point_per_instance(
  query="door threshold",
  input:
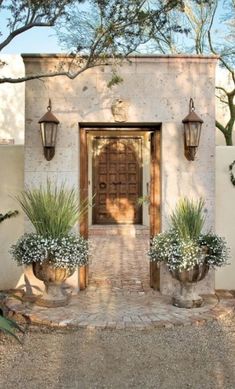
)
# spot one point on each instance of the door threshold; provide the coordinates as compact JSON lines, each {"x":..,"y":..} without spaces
{"x":125,"y":229}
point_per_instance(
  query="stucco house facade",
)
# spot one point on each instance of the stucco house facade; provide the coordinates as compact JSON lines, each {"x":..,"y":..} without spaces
{"x":122,"y":143}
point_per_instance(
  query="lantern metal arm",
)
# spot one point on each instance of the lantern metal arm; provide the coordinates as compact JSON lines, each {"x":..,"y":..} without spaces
{"x":48,"y":126}
{"x":192,"y":132}
{"x":191,"y":105}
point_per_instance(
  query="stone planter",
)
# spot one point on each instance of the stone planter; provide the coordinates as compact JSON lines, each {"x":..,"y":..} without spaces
{"x":53,"y":296}
{"x":188,"y":297}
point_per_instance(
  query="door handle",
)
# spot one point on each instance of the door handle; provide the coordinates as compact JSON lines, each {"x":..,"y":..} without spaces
{"x":116,"y":183}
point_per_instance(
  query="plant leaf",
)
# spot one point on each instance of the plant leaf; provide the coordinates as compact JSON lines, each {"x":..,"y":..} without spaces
{"x":9,"y":326}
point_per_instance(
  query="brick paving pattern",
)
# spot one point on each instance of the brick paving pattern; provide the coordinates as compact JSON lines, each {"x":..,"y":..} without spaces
{"x":119,"y":295}
{"x":119,"y":258}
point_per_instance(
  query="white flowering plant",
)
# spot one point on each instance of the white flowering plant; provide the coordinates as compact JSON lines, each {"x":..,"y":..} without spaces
{"x":184,"y":245}
{"x":53,"y":211}
{"x":183,"y":254}
{"x":67,"y":251}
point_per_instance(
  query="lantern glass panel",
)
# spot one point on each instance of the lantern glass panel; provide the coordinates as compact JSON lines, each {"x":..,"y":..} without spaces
{"x":192,"y":133}
{"x":49,"y":131}
{"x":42,"y":127}
{"x":54,"y":134}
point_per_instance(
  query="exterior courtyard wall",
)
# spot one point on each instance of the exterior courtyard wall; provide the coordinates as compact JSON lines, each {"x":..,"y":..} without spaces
{"x":12,"y":97}
{"x":223,"y":79}
{"x":12,"y":183}
{"x":157,"y":90}
{"x":225,"y":213}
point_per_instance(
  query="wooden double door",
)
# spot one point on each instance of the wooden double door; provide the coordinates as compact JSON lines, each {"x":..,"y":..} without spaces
{"x":117,"y":180}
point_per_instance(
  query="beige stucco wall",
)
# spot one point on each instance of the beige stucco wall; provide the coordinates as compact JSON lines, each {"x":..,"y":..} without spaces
{"x":12,"y":182}
{"x":225,"y":213}
{"x":12,"y":97}
{"x":223,"y":79}
{"x":157,"y":89}
{"x":13,"y":100}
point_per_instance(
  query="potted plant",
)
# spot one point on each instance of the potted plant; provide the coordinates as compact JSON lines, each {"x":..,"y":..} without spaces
{"x":187,"y":251}
{"x":53,"y":250}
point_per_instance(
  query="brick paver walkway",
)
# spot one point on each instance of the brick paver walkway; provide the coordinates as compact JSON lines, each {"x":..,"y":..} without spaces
{"x":119,"y":258}
{"x":119,"y":295}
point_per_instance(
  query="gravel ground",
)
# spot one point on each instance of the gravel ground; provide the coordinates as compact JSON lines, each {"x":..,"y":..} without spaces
{"x":184,"y":357}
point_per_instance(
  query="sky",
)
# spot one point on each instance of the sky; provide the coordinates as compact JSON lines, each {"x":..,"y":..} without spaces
{"x":44,"y":40}
{"x":37,"y":40}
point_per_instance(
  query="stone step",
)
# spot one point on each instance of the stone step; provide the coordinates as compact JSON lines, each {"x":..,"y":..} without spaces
{"x":121,"y":229}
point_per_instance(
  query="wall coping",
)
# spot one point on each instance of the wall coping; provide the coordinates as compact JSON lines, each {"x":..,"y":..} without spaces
{"x":138,"y":58}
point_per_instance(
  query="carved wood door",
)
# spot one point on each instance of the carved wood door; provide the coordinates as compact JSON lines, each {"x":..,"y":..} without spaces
{"x":117,"y":180}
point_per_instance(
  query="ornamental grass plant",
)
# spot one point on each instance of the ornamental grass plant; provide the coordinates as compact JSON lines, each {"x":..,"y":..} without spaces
{"x":53,"y":210}
{"x":184,"y":245}
{"x":188,"y":219}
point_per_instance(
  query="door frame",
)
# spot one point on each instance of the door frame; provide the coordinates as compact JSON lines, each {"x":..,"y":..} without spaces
{"x":155,"y":183}
{"x":140,"y":183}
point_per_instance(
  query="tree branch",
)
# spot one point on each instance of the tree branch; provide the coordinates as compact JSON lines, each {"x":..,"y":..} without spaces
{"x":211,"y":45}
{"x":221,"y":88}
{"x":69,"y":74}
{"x":221,"y":100}
{"x":20,"y":30}
{"x":220,"y":127}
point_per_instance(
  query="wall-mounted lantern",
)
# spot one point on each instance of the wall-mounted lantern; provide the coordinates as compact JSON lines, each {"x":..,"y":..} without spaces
{"x":192,"y":132}
{"x":48,"y":126}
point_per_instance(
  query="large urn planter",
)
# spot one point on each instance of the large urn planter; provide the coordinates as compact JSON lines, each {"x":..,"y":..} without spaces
{"x":54,"y":249}
{"x":53,"y":278}
{"x":187,"y":297}
{"x":187,"y":251}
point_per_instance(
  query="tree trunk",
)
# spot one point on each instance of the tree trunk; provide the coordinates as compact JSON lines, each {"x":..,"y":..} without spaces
{"x":229,"y":139}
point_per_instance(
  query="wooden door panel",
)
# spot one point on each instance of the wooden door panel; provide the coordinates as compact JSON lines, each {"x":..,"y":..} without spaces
{"x":102,"y":198}
{"x":117,"y":180}
{"x":122,"y":167}
{"x":112,"y":167}
{"x":132,"y":167}
{"x":103,"y":158}
{"x":103,"y":168}
{"x":132,"y":177}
